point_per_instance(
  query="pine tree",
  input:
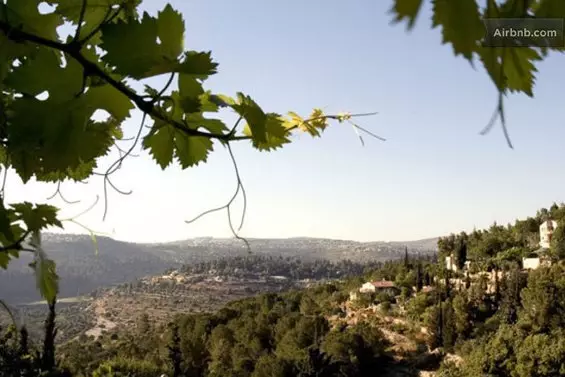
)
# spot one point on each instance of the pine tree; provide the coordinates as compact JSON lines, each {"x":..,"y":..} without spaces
{"x":406,"y":259}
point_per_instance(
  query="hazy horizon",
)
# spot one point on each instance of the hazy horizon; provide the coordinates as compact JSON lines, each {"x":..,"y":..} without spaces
{"x":65,"y":233}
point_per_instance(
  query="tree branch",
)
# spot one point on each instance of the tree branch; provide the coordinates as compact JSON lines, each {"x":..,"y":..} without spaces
{"x":73,"y":49}
{"x":80,"y":20}
{"x":16,"y":245}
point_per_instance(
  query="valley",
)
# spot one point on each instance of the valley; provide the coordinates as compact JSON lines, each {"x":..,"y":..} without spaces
{"x":84,"y":266}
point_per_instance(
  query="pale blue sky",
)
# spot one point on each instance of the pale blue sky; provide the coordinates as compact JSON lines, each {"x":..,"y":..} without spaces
{"x":434,"y":175}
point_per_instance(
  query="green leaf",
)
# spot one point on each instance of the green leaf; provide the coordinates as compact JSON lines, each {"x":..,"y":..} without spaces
{"x":52,"y":137}
{"x":80,"y":173}
{"x":6,"y":234}
{"x":276,"y":133}
{"x":108,"y":98}
{"x":170,"y":28}
{"x":491,"y":57}
{"x":549,"y":9}
{"x":191,"y":150}
{"x":36,"y":217}
{"x":406,"y":9}
{"x":214,"y":126}
{"x":198,"y":64}
{"x":133,"y":50}
{"x":43,"y":72}
{"x":161,"y":145}
{"x":46,"y":276}
{"x":4,"y":260}
{"x":461,"y":25}
{"x":511,"y":68}
{"x":24,"y":15}
{"x":520,"y":70}
{"x":95,"y":13}
{"x":255,"y":117}
{"x":132,"y":46}
{"x":190,"y":90}
{"x":164,"y":142}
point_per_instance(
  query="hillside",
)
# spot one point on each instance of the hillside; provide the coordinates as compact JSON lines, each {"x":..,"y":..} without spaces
{"x":197,"y":287}
{"x":82,"y":270}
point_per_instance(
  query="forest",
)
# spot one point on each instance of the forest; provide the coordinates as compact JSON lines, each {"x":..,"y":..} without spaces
{"x":290,"y":267}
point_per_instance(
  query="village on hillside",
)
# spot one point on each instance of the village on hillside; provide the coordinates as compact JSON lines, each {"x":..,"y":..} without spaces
{"x":471,"y":273}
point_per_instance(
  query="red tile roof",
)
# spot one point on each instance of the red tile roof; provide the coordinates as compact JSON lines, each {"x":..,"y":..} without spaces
{"x":383,"y":284}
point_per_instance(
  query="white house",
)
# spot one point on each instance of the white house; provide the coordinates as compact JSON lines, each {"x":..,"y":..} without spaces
{"x":545,"y":232}
{"x":374,"y":286}
{"x":530,"y":263}
{"x":451,"y":264}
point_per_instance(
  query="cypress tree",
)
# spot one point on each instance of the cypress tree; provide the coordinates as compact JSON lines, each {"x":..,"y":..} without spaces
{"x":175,"y":353}
{"x":48,"y":356}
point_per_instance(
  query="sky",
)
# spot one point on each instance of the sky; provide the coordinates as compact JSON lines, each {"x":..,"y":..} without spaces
{"x":434,"y":175}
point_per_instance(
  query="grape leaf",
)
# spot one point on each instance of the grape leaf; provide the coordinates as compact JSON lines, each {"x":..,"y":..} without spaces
{"x":191,"y":150}
{"x":133,"y":49}
{"x":9,"y":51}
{"x":406,"y":9}
{"x":549,"y":9}
{"x":49,"y":137}
{"x":490,"y":57}
{"x":215,"y":126}
{"x":190,"y":90}
{"x":36,"y":217}
{"x":208,"y":102}
{"x":316,"y":123}
{"x":108,"y":98}
{"x":160,"y":143}
{"x":164,"y":142}
{"x":520,"y":70}
{"x":276,"y":134}
{"x":46,"y":276}
{"x":511,"y":68}
{"x":198,"y":64}
{"x":44,"y":73}
{"x":255,"y":117}
{"x":95,"y":13}
{"x":170,"y":29}
{"x":80,"y":173}
{"x":461,"y":25}
{"x":24,"y":14}
{"x":6,"y":234}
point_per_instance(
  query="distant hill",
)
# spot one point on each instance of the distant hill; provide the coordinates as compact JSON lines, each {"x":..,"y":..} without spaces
{"x":83,"y":270}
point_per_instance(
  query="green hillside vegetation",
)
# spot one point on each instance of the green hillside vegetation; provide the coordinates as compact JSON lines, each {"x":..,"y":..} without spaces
{"x":512,"y":326}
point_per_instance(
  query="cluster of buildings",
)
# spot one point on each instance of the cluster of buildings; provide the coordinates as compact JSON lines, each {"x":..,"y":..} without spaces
{"x":536,"y":259}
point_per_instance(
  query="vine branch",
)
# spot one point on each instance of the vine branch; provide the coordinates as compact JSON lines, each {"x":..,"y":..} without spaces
{"x":73,"y":50}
